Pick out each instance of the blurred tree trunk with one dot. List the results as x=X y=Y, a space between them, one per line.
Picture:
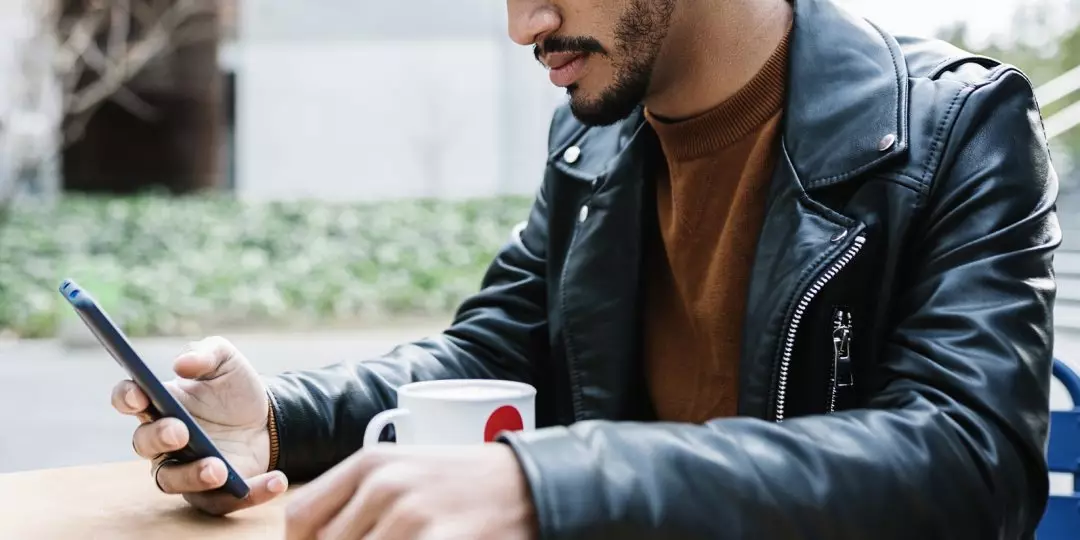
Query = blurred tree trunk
x=177 y=146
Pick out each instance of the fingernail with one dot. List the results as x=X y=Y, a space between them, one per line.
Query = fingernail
x=171 y=435
x=208 y=475
x=277 y=484
x=129 y=398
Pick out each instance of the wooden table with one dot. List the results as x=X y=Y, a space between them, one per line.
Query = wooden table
x=117 y=501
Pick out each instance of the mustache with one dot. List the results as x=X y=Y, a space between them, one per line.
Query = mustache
x=558 y=44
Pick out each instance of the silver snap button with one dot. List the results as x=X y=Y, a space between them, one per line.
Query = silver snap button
x=887 y=142
x=571 y=154
x=583 y=214
x=839 y=236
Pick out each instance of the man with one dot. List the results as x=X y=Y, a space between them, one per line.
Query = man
x=787 y=276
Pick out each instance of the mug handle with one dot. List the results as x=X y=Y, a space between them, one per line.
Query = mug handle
x=379 y=422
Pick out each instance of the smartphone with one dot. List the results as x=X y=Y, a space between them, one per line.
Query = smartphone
x=162 y=403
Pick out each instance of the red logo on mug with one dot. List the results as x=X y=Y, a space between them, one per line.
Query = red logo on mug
x=505 y=418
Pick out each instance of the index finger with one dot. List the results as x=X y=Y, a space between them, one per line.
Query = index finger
x=319 y=501
x=128 y=398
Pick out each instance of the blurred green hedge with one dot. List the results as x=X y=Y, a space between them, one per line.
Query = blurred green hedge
x=163 y=265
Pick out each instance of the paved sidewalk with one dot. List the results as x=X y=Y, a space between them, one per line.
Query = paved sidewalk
x=54 y=402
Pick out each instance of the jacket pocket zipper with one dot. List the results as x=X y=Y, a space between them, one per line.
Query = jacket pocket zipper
x=796 y=319
x=841 y=375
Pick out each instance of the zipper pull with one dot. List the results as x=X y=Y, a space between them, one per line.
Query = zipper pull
x=842 y=349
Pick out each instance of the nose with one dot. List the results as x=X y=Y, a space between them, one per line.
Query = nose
x=529 y=20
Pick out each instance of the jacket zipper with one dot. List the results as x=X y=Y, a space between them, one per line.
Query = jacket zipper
x=841 y=376
x=796 y=320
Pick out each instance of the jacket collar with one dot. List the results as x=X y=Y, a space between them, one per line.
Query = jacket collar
x=847 y=98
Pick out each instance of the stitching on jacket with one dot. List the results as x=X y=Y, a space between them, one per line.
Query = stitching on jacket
x=937 y=142
x=900 y=79
x=932 y=168
x=994 y=75
x=904 y=180
x=941 y=67
x=937 y=69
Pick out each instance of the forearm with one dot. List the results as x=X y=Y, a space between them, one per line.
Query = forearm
x=320 y=414
x=861 y=474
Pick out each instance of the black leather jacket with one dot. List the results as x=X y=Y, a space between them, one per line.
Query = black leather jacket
x=894 y=380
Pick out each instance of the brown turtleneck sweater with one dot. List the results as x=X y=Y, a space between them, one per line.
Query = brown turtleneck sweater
x=711 y=201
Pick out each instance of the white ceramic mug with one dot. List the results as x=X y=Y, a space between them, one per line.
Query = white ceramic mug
x=456 y=411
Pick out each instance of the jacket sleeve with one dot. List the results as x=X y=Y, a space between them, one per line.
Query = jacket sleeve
x=496 y=334
x=952 y=443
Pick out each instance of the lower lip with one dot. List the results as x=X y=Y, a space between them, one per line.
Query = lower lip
x=566 y=75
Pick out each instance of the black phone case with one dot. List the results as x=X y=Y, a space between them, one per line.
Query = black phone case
x=163 y=404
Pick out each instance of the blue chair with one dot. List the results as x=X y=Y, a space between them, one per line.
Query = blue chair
x=1062 y=518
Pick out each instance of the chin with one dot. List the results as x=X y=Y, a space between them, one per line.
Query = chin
x=599 y=112
x=608 y=106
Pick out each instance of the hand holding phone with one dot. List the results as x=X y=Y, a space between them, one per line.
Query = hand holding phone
x=212 y=419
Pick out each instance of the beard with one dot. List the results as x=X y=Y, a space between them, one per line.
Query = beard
x=639 y=36
x=615 y=102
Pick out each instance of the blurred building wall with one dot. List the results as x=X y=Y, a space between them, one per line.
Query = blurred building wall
x=365 y=101
x=12 y=23
x=29 y=102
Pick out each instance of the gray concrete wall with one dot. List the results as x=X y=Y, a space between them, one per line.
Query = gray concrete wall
x=337 y=20
x=367 y=101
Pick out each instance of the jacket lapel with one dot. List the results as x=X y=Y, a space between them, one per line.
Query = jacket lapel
x=600 y=297
x=798 y=238
x=846 y=109
x=846 y=113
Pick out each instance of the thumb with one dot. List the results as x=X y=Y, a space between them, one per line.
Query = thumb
x=206 y=359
